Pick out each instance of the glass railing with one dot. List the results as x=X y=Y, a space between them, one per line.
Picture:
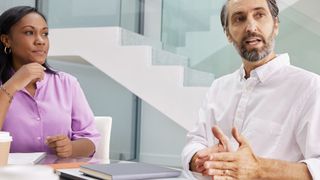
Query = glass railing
x=81 y=13
x=192 y=28
x=300 y=34
x=87 y=13
x=6 y=4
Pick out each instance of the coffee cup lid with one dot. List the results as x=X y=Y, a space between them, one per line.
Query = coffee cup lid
x=5 y=136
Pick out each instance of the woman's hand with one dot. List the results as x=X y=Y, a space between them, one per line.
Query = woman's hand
x=61 y=144
x=26 y=74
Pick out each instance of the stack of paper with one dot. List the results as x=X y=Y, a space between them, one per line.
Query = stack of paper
x=25 y=158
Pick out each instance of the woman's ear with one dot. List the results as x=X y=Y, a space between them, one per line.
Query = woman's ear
x=5 y=40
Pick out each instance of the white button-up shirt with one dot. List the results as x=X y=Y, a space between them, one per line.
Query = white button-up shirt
x=277 y=109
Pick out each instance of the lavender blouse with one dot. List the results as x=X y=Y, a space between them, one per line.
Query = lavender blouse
x=59 y=107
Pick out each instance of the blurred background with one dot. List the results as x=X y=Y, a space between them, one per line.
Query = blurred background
x=185 y=31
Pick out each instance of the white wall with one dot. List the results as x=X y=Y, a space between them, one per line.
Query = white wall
x=161 y=140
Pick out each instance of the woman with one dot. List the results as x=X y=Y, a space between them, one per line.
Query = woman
x=43 y=110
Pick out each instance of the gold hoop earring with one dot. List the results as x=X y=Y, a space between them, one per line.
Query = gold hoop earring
x=7 y=50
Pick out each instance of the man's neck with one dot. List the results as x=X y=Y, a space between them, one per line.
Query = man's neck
x=249 y=66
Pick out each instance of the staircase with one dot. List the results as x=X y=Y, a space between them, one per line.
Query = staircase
x=159 y=78
x=201 y=45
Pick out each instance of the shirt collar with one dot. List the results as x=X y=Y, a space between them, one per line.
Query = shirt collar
x=265 y=71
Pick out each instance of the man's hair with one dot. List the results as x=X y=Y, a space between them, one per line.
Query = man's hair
x=272 y=4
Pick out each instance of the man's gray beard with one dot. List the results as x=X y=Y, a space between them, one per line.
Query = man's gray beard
x=255 y=54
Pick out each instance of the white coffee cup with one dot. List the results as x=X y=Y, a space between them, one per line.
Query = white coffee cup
x=27 y=172
x=5 y=141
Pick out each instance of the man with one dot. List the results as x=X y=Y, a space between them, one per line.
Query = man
x=262 y=121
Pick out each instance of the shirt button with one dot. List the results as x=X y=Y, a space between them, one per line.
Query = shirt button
x=39 y=138
x=38 y=119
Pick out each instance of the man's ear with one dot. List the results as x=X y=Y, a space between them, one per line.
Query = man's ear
x=276 y=26
x=228 y=36
x=5 y=40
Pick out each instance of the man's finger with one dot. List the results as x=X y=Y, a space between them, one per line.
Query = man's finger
x=215 y=172
x=204 y=153
x=222 y=165
x=200 y=160
x=223 y=156
x=223 y=178
x=217 y=132
x=239 y=138
x=200 y=169
x=223 y=139
x=219 y=172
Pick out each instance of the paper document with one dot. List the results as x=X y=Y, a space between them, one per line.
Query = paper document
x=25 y=158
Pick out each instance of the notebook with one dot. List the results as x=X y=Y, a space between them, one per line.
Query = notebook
x=25 y=158
x=127 y=171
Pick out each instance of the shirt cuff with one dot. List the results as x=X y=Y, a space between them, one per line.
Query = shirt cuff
x=188 y=153
x=313 y=167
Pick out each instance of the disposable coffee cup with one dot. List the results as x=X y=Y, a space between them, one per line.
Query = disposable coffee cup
x=27 y=172
x=5 y=141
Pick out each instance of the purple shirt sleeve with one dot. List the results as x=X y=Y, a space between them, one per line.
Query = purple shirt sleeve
x=82 y=117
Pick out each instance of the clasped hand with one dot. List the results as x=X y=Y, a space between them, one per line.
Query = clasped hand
x=61 y=144
x=217 y=161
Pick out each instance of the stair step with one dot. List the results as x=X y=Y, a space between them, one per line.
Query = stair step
x=129 y=38
x=196 y=41
x=197 y=78
x=161 y=57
